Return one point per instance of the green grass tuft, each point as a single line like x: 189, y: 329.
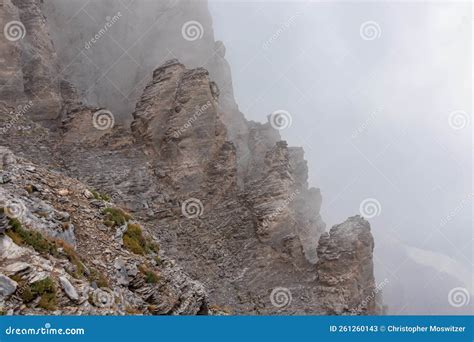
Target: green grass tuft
x: 135, y: 242
x: 100, y: 197
x: 115, y: 217
x: 36, y: 240
x: 150, y: 276
x: 42, y: 288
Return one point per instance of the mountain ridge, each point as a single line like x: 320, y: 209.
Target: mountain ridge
x: 225, y: 198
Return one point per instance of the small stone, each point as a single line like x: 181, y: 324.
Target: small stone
x: 43, y: 210
x: 17, y: 267
x: 62, y: 216
x: 69, y: 288
x: 8, y: 249
x: 63, y: 192
x: 98, y: 204
x: 5, y: 178
x: 7, y: 286
x: 87, y: 194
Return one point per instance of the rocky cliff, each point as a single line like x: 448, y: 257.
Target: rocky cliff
x: 67, y: 250
x: 224, y: 197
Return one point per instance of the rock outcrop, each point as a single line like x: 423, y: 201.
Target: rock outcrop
x: 224, y: 197
x: 242, y: 234
x: 11, y: 73
x: 39, y: 62
x: 69, y: 251
x: 30, y: 79
x: 345, y: 269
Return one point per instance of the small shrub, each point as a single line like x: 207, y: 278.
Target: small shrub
x: 132, y: 245
x: 109, y: 223
x: 115, y: 217
x: 135, y: 242
x: 15, y: 224
x: 99, y: 278
x: 150, y: 276
x: 26, y: 295
x: 44, y: 288
x: 96, y: 195
x: 41, y: 287
x: 48, y: 301
x: 100, y: 197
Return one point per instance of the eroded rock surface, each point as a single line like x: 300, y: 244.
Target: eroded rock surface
x: 79, y: 269
x: 224, y: 198
x: 345, y: 268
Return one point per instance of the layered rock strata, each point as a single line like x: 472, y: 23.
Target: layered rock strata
x: 225, y: 198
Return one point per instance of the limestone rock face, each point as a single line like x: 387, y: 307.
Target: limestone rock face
x: 345, y: 268
x: 11, y: 75
x: 176, y: 170
x: 39, y: 62
x: 83, y: 274
x: 225, y: 197
x: 30, y: 75
x: 178, y: 119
